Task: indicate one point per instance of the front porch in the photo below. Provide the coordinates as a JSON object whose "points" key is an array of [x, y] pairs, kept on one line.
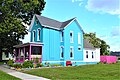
{"points": [[28, 51]]}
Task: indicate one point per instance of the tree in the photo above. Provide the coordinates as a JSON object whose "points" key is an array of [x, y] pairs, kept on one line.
{"points": [[12, 14], [104, 48], [93, 39], [98, 43]]}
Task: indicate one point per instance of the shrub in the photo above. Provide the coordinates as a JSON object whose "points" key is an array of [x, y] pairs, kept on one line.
{"points": [[56, 65], [28, 64], [40, 65], [17, 65], [37, 60], [10, 63]]}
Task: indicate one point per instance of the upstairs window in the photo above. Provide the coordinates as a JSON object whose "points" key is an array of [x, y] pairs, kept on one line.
{"points": [[33, 35], [38, 34], [92, 55], [86, 54], [62, 35], [79, 40], [71, 36], [71, 52]]}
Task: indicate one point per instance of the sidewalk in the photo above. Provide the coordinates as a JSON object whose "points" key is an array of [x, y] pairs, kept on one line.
{"points": [[21, 75]]}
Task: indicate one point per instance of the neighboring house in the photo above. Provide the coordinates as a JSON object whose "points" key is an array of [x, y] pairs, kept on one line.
{"points": [[53, 42], [91, 54], [5, 55], [115, 53]]}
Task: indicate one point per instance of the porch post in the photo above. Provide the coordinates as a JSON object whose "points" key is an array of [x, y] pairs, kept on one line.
{"points": [[19, 54], [30, 53], [24, 52]]}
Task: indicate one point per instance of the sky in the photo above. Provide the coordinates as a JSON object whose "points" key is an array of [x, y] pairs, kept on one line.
{"points": [[99, 16]]}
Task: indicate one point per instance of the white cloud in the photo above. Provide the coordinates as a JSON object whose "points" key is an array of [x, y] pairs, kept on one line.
{"points": [[79, 1], [104, 6]]}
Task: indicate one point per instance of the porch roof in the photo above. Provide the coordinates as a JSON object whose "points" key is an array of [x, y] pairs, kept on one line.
{"points": [[28, 44]]}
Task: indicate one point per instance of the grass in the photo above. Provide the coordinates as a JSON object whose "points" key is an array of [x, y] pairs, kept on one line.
{"points": [[5, 76], [85, 72]]}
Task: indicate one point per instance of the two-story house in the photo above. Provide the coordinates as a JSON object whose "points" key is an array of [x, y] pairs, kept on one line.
{"points": [[53, 41]]}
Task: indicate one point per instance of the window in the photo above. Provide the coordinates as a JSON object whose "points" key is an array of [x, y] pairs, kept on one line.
{"points": [[33, 35], [62, 35], [86, 54], [79, 40], [79, 48], [37, 22], [71, 36], [38, 34], [71, 53], [61, 52], [92, 55]]}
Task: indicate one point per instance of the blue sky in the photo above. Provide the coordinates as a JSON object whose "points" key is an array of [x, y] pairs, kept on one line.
{"points": [[100, 16]]}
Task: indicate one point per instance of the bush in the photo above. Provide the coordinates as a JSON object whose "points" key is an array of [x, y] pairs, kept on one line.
{"points": [[28, 64], [56, 65], [10, 63], [40, 65], [17, 65]]}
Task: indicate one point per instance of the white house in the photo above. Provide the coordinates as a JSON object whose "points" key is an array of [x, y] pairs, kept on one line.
{"points": [[91, 54]]}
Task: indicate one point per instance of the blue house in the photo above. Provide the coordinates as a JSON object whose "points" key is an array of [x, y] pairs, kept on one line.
{"points": [[53, 42]]}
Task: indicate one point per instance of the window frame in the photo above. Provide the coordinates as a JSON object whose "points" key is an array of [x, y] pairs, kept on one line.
{"points": [[71, 47], [38, 33], [71, 37], [79, 47], [62, 36], [61, 51], [87, 54], [34, 35], [92, 55]]}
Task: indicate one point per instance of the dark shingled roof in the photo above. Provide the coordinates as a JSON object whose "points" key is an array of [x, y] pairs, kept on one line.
{"points": [[88, 45], [51, 23]]}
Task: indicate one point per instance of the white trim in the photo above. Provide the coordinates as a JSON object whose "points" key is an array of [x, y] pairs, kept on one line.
{"points": [[33, 35], [70, 23], [79, 38], [93, 54], [75, 19], [72, 52], [61, 51], [50, 27], [71, 61], [86, 54], [38, 36], [72, 39], [61, 37], [32, 23]]}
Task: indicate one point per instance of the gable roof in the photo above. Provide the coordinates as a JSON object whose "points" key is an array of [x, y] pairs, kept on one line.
{"points": [[88, 45], [51, 23]]}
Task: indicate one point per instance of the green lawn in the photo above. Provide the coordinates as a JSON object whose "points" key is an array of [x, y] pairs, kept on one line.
{"points": [[85, 72], [4, 76]]}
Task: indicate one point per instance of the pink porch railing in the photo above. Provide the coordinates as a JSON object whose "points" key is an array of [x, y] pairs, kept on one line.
{"points": [[108, 59]]}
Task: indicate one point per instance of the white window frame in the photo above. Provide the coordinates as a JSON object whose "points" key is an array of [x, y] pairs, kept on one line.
{"points": [[79, 38], [72, 52], [38, 37], [87, 55], [61, 35], [79, 47], [71, 39], [92, 55], [61, 47], [34, 35]]}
